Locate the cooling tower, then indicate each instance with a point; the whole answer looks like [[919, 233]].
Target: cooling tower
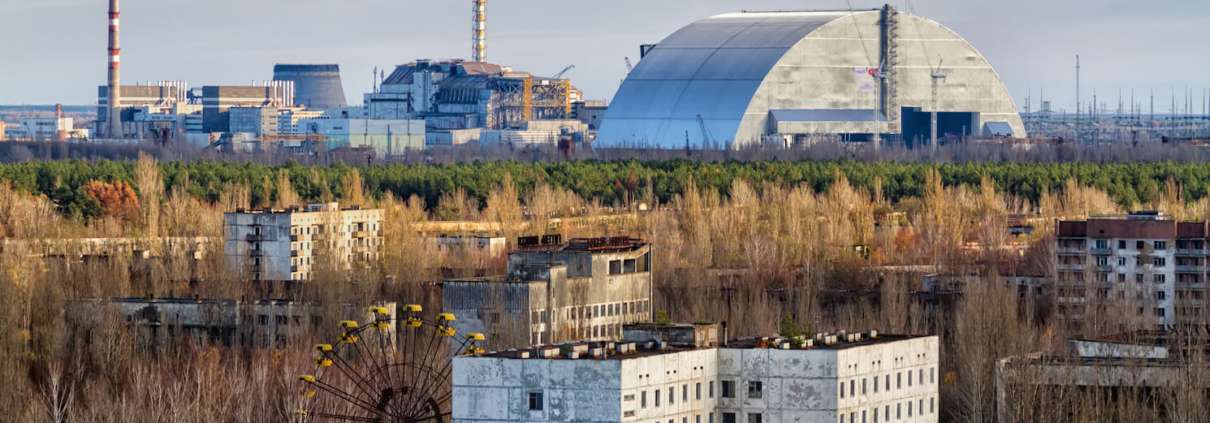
[[315, 86]]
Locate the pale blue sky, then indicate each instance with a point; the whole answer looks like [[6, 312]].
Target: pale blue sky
[[55, 49]]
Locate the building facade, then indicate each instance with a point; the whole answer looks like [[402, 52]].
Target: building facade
[[258, 324], [554, 291], [849, 378], [1142, 270], [291, 245]]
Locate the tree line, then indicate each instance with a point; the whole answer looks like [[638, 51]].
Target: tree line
[[608, 183]]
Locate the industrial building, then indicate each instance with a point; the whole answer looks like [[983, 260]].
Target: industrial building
[[689, 373], [53, 128], [158, 323], [219, 99], [455, 95], [1142, 270], [793, 78], [386, 137], [291, 245], [585, 288], [315, 86]]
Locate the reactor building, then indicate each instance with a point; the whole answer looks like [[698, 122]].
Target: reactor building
[[791, 78], [315, 86]]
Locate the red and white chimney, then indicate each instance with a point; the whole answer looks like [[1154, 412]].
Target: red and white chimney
[[114, 128]]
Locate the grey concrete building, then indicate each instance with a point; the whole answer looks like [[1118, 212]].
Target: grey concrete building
[[681, 373], [291, 245], [787, 78], [218, 100], [553, 291], [165, 321]]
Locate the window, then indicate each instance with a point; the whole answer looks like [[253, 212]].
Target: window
[[1121, 261], [909, 372], [899, 380], [1140, 245], [863, 386], [1161, 245], [615, 267], [697, 391], [535, 401], [1159, 261], [888, 382], [1102, 244], [1138, 278], [728, 417], [1160, 295], [1102, 261], [685, 392], [671, 395], [754, 418], [1159, 312], [728, 390], [755, 391], [842, 390], [1159, 278], [710, 387], [1121, 244], [643, 399], [909, 409]]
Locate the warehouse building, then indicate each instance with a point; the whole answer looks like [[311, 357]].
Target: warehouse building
[[586, 288], [791, 78], [682, 373], [218, 100], [291, 245]]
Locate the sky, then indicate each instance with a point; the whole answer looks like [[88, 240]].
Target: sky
[[55, 49]]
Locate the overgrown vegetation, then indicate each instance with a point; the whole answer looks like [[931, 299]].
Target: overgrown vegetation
[[770, 247]]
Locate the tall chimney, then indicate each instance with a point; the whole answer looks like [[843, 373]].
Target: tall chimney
[[479, 30], [114, 129]]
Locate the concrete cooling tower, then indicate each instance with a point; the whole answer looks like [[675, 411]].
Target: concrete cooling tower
[[316, 86]]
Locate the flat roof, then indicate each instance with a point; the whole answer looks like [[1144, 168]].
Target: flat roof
[[766, 343]]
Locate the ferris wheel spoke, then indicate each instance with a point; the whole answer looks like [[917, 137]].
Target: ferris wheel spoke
[[347, 418], [350, 374], [352, 399]]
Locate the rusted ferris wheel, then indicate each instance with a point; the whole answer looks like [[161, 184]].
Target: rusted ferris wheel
[[388, 370]]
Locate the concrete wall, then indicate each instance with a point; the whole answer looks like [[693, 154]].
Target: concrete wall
[[287, 246], [688, 385]]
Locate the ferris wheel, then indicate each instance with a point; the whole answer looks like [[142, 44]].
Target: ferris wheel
[[388, 370]]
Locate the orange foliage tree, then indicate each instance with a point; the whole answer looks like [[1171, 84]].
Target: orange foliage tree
[[116, 199]]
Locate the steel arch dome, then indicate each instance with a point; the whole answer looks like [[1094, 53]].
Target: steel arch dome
[[721, 82]]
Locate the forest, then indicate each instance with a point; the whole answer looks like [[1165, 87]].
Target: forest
[[771, 247], [608, 183]]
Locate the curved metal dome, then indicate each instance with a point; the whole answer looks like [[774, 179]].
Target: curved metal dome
[[735, 79]]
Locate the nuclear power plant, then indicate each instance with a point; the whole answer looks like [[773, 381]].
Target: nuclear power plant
[[732, 81]]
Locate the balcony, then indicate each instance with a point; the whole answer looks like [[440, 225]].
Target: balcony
[[255, 237], [1071, 251], [1190, 269], [1190, 252], [1101, 251], [1069, 267]]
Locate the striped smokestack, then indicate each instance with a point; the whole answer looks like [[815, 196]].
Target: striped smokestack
[[479, 30], [114, 129]]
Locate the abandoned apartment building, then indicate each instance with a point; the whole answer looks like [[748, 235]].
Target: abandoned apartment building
[[1143, 268], [585, 288], [291, 245], [682, 373], [157, 323]]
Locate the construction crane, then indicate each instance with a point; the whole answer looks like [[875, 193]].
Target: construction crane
[[701, 123], [563, 72]]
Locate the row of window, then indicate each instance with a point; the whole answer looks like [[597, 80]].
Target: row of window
[[592, 311], [872, 382], [1140, 245], [1138, 262], [883, 414]]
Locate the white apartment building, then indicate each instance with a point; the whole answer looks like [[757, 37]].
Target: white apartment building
[[1152, 268], [290, 245], [833, 378]]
